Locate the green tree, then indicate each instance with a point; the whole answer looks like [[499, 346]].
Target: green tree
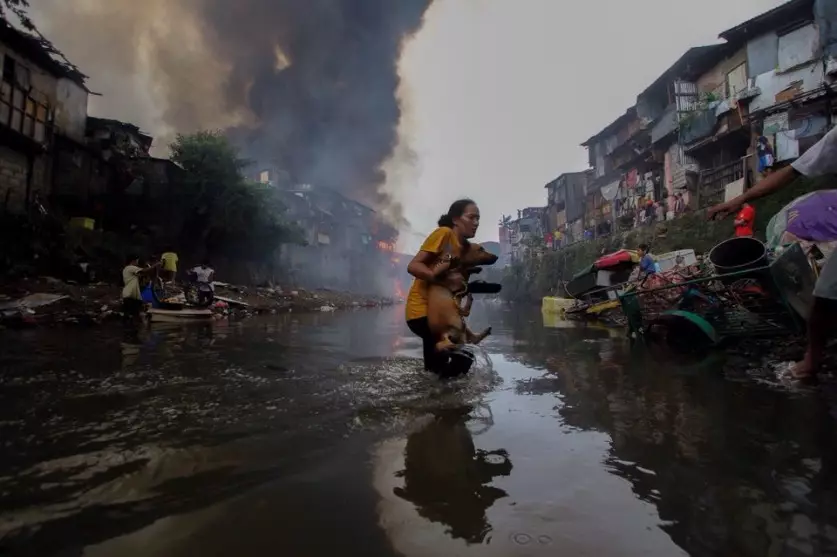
[[227, 215]]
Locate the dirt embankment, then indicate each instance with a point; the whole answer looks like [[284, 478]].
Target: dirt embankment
[[50, 301]]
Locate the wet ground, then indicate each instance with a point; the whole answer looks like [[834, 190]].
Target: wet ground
[[319, 434]]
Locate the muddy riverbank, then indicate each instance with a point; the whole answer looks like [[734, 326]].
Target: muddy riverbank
[[47, 301]]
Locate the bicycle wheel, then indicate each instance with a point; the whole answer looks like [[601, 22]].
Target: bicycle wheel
[[159, 290]]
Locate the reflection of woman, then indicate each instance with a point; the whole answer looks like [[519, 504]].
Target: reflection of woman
[[443, 245], [447, 478]]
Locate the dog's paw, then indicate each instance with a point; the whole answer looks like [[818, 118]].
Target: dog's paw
[[480, 337]]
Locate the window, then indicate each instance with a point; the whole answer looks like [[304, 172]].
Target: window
[[736, 80], [9, 69], [797, 47], [5, 102], [16, 73], [40, 123], [22, 77], [18, 109]]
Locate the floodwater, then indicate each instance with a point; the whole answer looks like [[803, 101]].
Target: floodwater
[[314, 435]]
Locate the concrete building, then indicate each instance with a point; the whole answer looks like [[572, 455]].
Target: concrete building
[[527, 233], [693, 133], [565, 210], [40, 99], [347, 244]]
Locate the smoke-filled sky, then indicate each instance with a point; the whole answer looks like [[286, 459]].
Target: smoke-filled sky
[[306, 86], [495, 95]]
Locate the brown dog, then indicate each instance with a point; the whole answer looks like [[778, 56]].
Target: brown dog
[[445, 312]]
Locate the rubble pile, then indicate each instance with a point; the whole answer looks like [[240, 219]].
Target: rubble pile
[[50, 301], [274, 299]]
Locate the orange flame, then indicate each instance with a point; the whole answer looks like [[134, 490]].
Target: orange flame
[[399, 293]]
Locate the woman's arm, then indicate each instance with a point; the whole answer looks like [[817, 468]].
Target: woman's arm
[[768, 185], [420, 268], [148, 270]]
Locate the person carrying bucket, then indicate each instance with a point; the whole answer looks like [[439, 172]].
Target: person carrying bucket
[[819, 160]]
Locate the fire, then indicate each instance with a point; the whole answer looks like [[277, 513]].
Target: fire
[[399, 293]]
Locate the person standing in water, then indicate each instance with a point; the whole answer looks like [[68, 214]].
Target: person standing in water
[[819, 160], [441, 248], [133, 279]]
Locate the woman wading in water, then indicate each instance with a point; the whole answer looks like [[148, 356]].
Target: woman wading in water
[[441, 247]]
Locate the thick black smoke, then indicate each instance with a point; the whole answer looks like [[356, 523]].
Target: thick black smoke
[[311, 84], [321, 77]]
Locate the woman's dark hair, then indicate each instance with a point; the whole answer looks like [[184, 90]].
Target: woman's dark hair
[[457, 209]]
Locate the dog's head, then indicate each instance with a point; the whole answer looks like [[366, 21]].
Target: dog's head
[[475, 256]]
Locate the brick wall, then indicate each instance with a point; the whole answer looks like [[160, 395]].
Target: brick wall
[[12, 180], [13, 169]]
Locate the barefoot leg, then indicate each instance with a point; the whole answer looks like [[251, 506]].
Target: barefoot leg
[[817, 333]]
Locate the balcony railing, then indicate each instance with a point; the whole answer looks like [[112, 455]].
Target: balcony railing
[[713, 182]]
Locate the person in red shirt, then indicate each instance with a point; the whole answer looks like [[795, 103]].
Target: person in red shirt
[[745, 220]]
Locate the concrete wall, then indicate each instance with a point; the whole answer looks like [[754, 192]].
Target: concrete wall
[[785, 60], [772, 83], [826, 14], [13, 168], [798, 47], [762, 54], [715, 79]]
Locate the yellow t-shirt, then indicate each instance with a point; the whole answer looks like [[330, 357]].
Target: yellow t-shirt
[[442, 240], [169, 261]]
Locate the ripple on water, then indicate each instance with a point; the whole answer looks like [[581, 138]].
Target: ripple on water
[[385, 392]]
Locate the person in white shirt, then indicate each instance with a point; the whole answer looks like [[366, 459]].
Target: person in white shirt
[[819, 160], [204, 275]]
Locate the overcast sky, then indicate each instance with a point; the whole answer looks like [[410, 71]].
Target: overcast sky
[[502, 92]]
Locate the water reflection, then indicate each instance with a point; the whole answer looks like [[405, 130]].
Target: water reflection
[[238, 439], [447, 478], [734, 467]]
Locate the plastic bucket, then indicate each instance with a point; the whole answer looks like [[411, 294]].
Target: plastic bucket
[[738, 254]]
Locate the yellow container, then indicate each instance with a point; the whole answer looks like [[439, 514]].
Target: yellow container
[[82, 222], [551, 304]]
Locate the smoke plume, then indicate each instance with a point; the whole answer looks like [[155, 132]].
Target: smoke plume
[[309, 86]]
